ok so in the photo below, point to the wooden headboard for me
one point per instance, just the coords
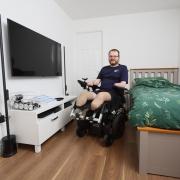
(168, 73)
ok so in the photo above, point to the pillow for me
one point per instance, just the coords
(157, 82)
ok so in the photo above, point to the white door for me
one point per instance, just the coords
(89, 55)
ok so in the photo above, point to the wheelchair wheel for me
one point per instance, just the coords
(80, 132)
(118, 126)
(107, 140)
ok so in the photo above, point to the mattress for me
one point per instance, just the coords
(155, 103)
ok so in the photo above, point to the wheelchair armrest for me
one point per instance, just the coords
(126, 91)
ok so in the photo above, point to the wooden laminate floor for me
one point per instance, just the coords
(67, 157)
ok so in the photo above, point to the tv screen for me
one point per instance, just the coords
(33, 54)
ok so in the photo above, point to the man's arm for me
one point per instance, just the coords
(124, 78)
(121, 84)
(96, 81)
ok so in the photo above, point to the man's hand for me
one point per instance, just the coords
(93, 82)
(89, 83)
(96, 82)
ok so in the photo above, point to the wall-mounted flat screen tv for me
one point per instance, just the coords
(32, 54)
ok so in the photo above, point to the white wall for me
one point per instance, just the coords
(48, 19)
(150, 39)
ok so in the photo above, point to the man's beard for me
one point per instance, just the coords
(113, 62)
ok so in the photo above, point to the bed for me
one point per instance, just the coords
(159, 149)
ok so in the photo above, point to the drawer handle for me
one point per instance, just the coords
(54, 118)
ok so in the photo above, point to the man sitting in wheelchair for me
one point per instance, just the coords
(101, 111)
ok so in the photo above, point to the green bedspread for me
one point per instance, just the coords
(155, 103)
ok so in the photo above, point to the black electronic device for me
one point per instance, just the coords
(32, 54)
(59, 98)
(2, 118)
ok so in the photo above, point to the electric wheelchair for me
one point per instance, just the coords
(107, 122)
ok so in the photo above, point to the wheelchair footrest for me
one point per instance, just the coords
(95, 129)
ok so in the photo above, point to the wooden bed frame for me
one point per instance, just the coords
(159, 149)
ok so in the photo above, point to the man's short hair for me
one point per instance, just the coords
(116, 51)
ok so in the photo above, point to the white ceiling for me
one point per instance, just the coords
(81, 9)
